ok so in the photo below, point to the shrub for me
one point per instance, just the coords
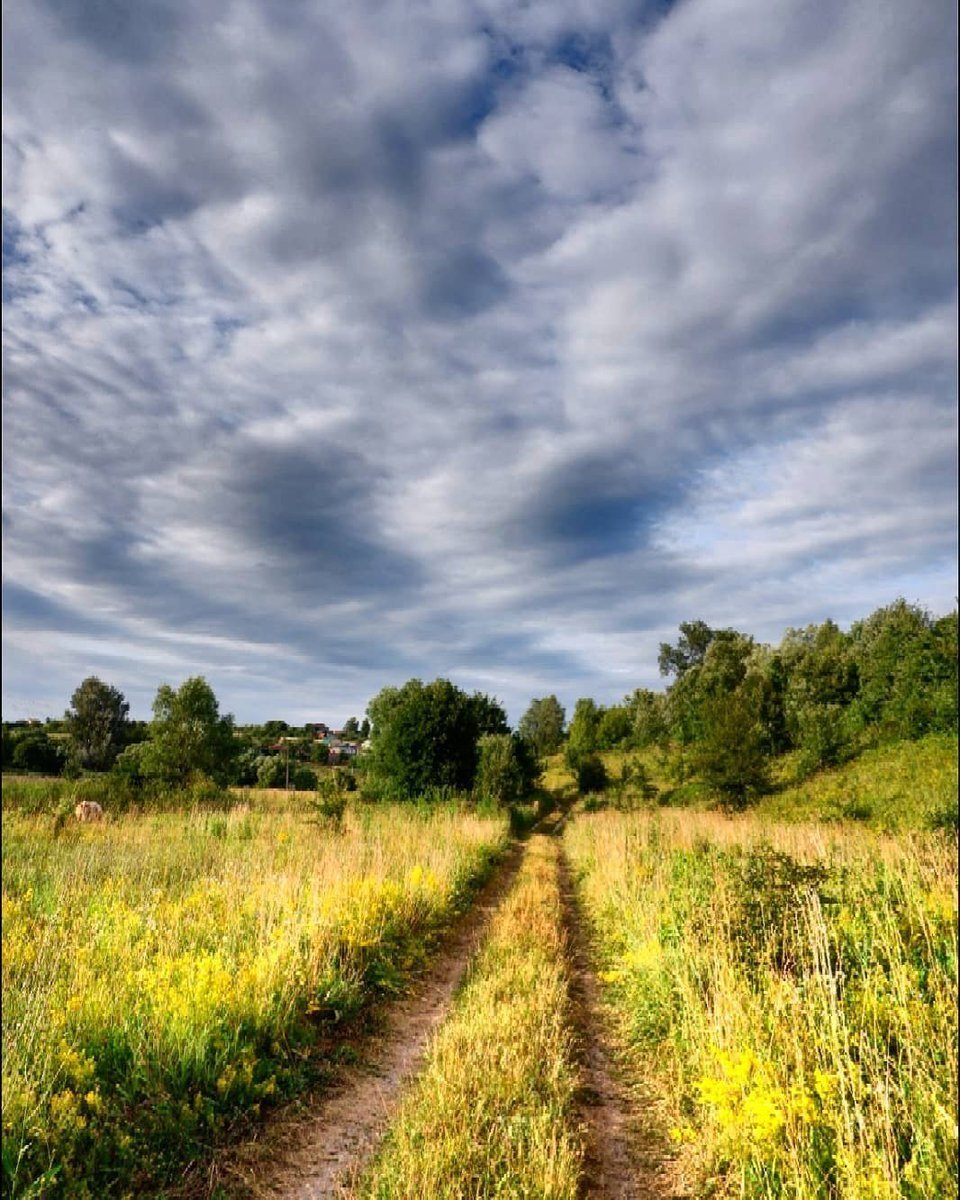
(591, 774)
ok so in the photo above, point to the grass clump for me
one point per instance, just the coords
(164, 975)
(791, 992)
(491, 1114)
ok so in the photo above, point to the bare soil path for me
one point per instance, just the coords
(321, 1153)
(624, 1159)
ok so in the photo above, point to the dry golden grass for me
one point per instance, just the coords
(491, 1115)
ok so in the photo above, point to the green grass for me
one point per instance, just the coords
(902, 786)
(907, 785)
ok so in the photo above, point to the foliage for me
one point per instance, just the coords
(591, 774)
(822, 695)
(615, 727)
(730, 756)
(426, 736)
(507, 769)
(542, 725)
(96, 723)
(35, 750)
(631, 785)
(188, 735)
(582, 737)
(649, 718)
(695, 638)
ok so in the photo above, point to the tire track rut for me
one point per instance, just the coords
(322, 1154)
(622, 1161)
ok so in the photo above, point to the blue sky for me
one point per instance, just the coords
(349, 343)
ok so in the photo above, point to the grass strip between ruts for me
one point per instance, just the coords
(492, 1112)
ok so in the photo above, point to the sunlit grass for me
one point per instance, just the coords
(491, 1114)
(790, 991)
(163, 975)
(908, 785)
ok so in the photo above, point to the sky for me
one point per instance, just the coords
(350, 343)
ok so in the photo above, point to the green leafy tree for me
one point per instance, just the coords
(730, 754)
(189, 735)
(34, 750)
(821, 683)
(351, 730)
(271, 771)
(907, 667)
(615, 727)
(695, 638)
(426, 736)
(584, 729)
(591, 774)
(503, 774)
(97, 724)
(649, 717)
(542, 725)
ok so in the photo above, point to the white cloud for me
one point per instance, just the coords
(493, 339)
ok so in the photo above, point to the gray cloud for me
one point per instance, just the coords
(492, 341)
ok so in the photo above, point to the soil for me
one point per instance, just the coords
(624, 1154)
(321, 1148)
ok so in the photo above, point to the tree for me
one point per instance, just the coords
(97, 724)
(189, 735)
(729, 755)
(425, 736)
(695, 638)
(542, 725)
(821, 683)
(507, 770)
(649, 715)
(351, 729)
(35, 751)
(615, 727)
(591, 774)
(907, 671)
(584, 726)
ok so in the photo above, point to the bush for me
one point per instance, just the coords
(591, 774)
(730, 756)
(507, 769)
(331, 802)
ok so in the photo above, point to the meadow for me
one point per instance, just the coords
(788, 995)
(165, 974)
(782, 983)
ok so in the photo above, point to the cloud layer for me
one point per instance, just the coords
(348, 343)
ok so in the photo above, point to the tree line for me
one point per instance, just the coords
(731, 705)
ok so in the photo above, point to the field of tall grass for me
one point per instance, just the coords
(789, 991)
(491, 1114)
(164, 975)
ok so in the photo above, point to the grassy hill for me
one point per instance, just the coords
(901, 786)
